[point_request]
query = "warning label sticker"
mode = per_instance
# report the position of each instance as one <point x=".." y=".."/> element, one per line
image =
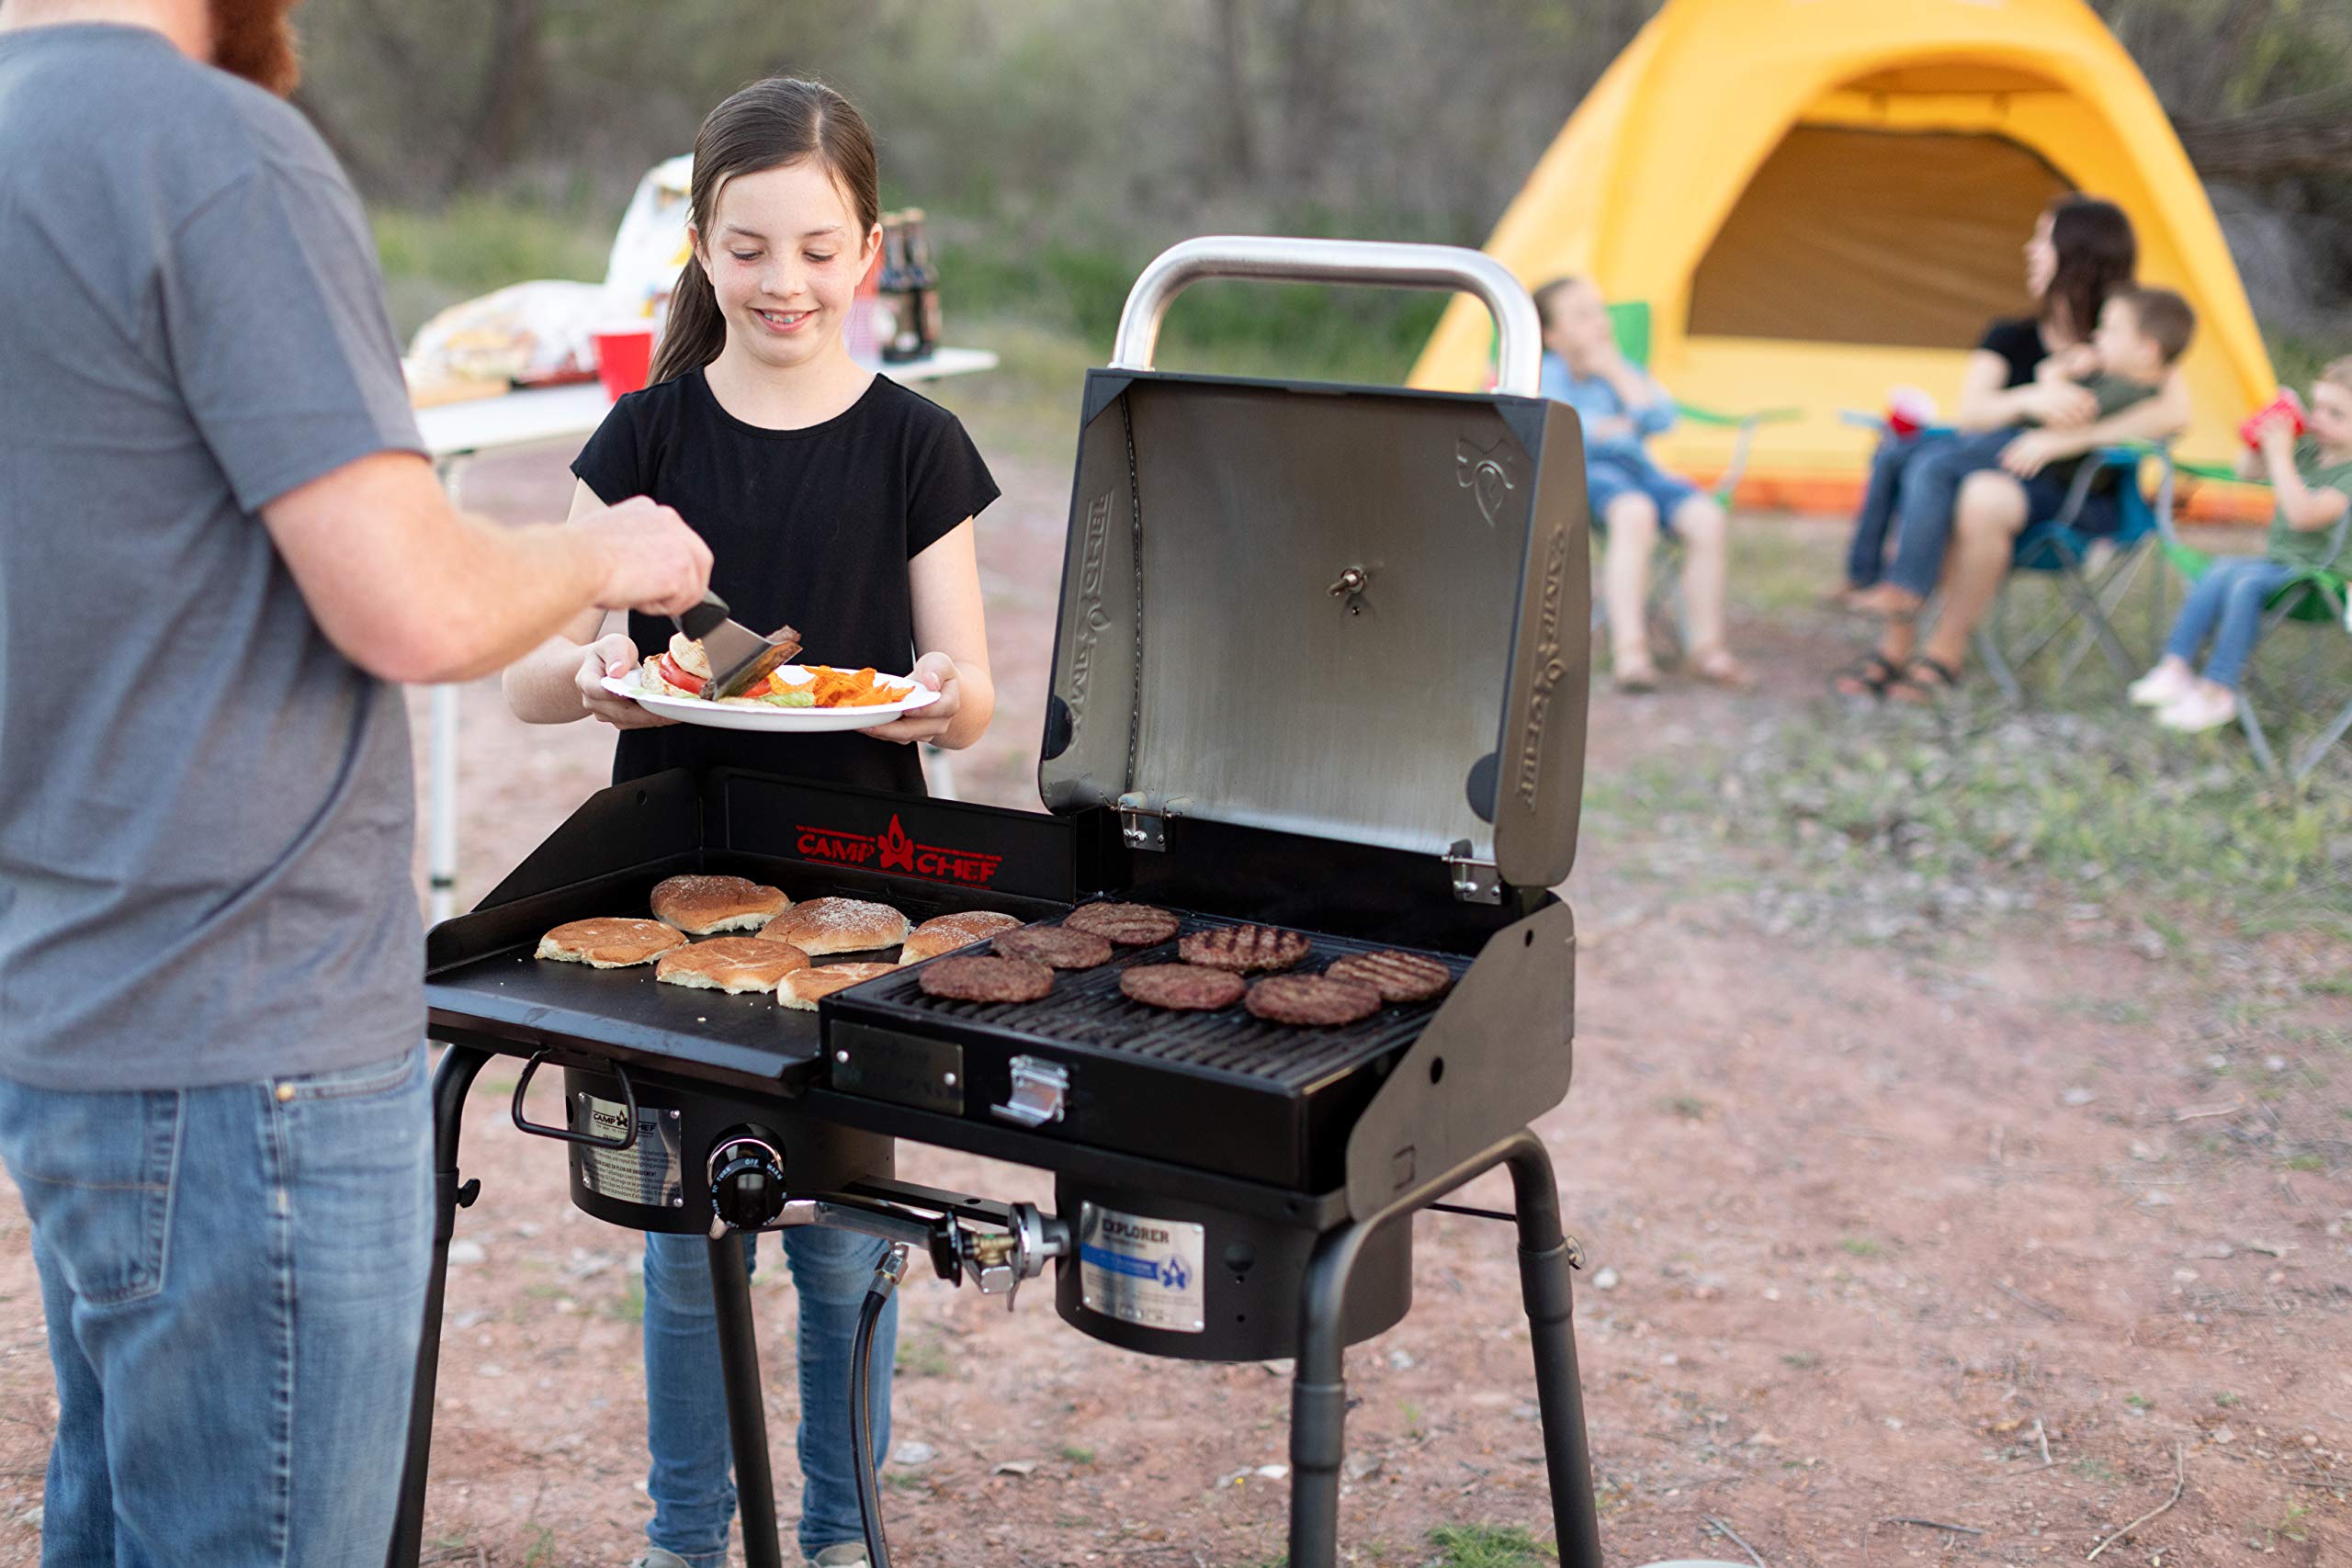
<point x="1141" y="1270"/>
<point x="645" y="1173"/>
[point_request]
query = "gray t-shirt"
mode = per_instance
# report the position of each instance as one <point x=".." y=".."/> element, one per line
<point x="206" y="811"/>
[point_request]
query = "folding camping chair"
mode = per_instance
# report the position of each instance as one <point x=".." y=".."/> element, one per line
<point x="2317" y="595"/>
<point x="1670" y="633"/>
<point x="2094" y="573"/>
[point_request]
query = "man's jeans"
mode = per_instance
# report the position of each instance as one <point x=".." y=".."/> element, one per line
<point x="2227" y="604"/>
<point x="234" y="1280"/>
<point x="685" y="1398"/>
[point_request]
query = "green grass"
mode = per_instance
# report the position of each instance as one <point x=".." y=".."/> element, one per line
<point x="922" y="1354"/>
<point x="1077" y="1455"/>
<point x="1858" y="1245"/>
<point x="1489" y="1546"/>
<point x="433" y="258"/>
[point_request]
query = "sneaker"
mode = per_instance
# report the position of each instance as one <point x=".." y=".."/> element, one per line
<point x="656" y="1558"/>
<point x="2202" y="709"/>
<point x="846" y="1555"/>
<point x="2162" y="687"/>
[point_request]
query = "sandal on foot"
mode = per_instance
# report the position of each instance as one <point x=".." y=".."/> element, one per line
<point x="1871" y="678"/>
<point x="1927" y="681"/>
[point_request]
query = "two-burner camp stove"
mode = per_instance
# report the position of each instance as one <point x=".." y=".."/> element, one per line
<point x="1320" y="665"/>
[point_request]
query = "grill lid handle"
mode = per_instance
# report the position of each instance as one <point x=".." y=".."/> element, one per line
<point x="1274" y="259"/>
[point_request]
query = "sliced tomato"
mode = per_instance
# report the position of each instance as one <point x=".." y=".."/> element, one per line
<point x="667" y="667"/>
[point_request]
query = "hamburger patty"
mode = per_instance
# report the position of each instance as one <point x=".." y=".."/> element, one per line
<point x="1056" y="947"/>
<point x="1129" y="925"/>
<point x="1314" y="1001"/>
<point x="1183" y="987"/>
<point x="1397" y="976"/>
<point x="1243" y="948"/>
<point x="986" y="979"/>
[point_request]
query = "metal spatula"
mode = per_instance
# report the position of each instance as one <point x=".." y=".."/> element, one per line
<point x="740" y="657"/>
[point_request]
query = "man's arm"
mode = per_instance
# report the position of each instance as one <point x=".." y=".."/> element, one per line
<point x="410" y="589"/>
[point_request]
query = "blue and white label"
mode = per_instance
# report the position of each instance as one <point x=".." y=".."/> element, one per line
<point x="1141" y="1270"/>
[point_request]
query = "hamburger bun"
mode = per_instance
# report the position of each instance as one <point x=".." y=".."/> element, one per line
<point x="690" y="656"/>
<point x="730" y="964"/>
<point x="820" y="926"/>
<point x="946" y="933"/>
<point x="803" y="987"/>
<point x="701" y="905"/>
<point x="609" y="943"/>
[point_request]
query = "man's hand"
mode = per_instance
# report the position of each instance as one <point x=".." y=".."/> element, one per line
<point x="654" y="562"/>
<point x="2033" y="452"/>
<point x="612" y="655"/>
<point x="937" y="671"/>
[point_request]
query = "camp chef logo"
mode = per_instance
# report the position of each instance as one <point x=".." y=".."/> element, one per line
<point x="893" y="849"/>
<point x="1488" y="472"/>
<point x="612" y="1122"/>
<point x="1092" y="619"/>
<point x="1550" y="669"/>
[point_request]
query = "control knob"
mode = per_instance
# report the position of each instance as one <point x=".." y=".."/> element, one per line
<point x="746" y="1179"/>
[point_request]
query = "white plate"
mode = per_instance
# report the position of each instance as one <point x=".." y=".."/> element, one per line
<point x="795" y="721"/>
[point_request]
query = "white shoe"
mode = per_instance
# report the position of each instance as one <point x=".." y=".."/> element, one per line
<point x="2200" y="711"/>
<point x="2161" y="687"/>
<point x="847" y="1554"/>
<point x="656" y="1558"/>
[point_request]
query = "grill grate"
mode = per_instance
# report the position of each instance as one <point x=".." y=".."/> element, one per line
<point x="1086" y="1010"/>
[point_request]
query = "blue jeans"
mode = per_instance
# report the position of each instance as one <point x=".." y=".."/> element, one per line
<point x="1621" y="470"/>
<point x="1929" y="495"/>
<point x="1866" y="556"/>
<point x="233" y="1280"/>
<point x="685" y="1398"/>
<point x="2226" y="605"/>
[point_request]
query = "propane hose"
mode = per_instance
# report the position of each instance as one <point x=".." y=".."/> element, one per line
<point x="887" y="1275"/>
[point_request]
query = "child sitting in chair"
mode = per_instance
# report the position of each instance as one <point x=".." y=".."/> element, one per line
<point x="2312" y="482"/>
<point x="1634" y="501"/>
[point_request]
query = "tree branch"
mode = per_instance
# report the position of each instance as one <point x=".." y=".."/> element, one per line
<point x="2310" y="134"/>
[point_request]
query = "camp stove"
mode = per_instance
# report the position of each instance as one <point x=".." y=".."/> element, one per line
<point x="1321" y="665"/>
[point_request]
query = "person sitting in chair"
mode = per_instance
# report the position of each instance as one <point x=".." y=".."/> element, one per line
<point x="1634" y="501"/>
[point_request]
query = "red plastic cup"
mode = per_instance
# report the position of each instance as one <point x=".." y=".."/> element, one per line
<point x="624" y="356"/>
<point x="1908" y="412"/>
<point x="2286" y="403"/>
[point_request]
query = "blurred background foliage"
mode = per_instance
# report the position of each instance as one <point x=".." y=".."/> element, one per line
<point x="1059" y="143"/>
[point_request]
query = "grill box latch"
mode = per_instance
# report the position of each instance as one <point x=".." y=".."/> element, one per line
<point x="1475" y="880"/>
<point x="1144" y="818"/>
<point x="1038" y="1087"/>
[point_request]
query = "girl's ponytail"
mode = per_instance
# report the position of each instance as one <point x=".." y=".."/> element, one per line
<point x="767" y="124"/>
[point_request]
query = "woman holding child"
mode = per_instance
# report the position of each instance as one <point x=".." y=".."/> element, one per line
<point x="2036" y="395"/>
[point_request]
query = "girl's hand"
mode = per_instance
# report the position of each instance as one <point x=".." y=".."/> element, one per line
<point x="937" y="671"/>
<point x="612" y="655"/>
<point x="2064" y="405"/>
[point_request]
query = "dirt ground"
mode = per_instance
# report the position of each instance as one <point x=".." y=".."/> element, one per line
<point x="1970" y="1259"/>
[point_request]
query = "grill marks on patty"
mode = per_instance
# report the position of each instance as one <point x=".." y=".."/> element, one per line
<point x="1314" y="1001"/>
<point x="1129" y="925"/>
<point x="1243" y="948"/>
<point x="1397" y="976"/>
<point x="1056" y="947"/>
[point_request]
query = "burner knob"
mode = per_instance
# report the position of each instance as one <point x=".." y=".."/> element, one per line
<point x="746" y="1179"/>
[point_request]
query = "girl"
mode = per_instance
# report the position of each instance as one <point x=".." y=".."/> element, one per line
<point x="838" y="502"/>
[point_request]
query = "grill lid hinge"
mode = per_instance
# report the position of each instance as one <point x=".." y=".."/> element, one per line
<point x="1144" y="818"/>
<point x="1475" y="880"/>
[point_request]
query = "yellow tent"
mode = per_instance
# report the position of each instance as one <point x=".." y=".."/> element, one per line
<point x="1823" y="199"/>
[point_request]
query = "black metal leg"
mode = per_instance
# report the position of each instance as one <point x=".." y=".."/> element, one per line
<point x="1544" y="1261"/>
<point x="451" y="1080"/>
<point x="1318" y="1399"/>
<point x="747" y="1424"/>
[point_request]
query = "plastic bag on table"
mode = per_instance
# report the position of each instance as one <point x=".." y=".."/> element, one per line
<point x="526" y="333"/>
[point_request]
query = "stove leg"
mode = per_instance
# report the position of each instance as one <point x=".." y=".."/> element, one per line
<point x="1318" y="1399"/>
<point x="1543" y="1272"/>
<point x="451" y="1080"/>
<point x="738" y="1361"/>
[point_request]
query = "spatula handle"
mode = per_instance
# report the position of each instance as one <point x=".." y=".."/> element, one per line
<point x="697" y="622"/>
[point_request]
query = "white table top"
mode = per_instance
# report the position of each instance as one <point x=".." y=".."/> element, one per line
<point x="571" y="413"/>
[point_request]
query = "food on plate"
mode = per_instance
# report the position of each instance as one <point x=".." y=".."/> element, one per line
<point x="1243" y="948"/>
<point x="984" y="979"/>
<point x="1397" y="976"/>
<point x="1056" y="947"/>
<point x="684" y="670"/>
<point x="1181" y="988"/>
<point x="1129" y="925"/>
<point x="613" y="943"/>
<point x="820" y="926"/>
<point x="946" y="933"/>
<point x="803" y="987"/>
<point x="863" y="688"/>
<point x="1313" y="1000"/>
<point x="702" y="906"/>
<point x="730" y="964"/>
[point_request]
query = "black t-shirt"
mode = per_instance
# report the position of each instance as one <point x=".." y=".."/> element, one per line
<point x="2017" y="339"/>
<point x="807" y="529"/>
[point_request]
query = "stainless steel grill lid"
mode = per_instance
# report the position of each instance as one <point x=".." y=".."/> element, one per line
<point x="1344" y="612"/>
